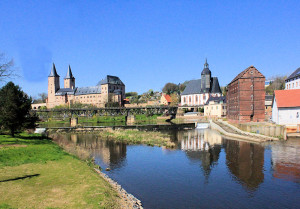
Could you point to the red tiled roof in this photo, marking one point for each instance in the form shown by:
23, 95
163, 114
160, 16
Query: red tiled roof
168, 98
287, 98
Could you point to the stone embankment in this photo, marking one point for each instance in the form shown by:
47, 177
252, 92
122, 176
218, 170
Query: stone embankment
231, 131
129, 201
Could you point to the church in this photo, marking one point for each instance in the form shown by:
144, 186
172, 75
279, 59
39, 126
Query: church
197, 92
109, 90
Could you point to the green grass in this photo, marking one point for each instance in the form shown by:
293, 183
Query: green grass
36, 173
150, 138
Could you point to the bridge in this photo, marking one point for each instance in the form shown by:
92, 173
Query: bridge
107, 111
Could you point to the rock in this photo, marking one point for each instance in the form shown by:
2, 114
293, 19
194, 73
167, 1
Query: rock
107, 169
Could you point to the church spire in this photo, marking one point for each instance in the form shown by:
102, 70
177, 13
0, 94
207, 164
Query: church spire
53, 72
206, 64
69, 73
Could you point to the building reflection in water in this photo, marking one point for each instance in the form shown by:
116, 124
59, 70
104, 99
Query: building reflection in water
111, 153
286, 160
203, 146
245, 161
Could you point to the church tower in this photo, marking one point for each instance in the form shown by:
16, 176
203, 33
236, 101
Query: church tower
205, 78
69, 81
53, 86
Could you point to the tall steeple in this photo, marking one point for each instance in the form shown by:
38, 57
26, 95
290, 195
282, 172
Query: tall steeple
69, 81
205, 78
69, 73
53, 72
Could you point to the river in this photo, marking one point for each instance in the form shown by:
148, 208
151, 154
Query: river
205, 170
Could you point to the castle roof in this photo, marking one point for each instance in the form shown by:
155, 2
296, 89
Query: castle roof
88, 90
109, 79
53, 72
69, 73
64, 91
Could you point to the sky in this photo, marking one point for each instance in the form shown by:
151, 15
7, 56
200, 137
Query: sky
148, 43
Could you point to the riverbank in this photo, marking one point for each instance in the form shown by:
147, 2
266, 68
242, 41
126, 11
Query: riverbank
37, 173
231, 131
127, 136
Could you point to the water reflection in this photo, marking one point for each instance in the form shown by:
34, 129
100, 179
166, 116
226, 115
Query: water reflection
245, 161
203, 146
111, 153
286, 160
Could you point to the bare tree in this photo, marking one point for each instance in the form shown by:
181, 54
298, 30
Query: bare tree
6, 68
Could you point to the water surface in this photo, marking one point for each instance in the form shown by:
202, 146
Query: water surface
204, 171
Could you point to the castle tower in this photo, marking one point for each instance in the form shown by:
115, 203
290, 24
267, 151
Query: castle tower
69, 81
53, 86
205, 78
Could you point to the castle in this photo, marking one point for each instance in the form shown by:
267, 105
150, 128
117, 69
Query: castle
109, 90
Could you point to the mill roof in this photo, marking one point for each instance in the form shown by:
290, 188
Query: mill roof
295, 74
109, 79
241, 74
287, 98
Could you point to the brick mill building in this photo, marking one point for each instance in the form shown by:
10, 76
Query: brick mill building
246, 96
197, 92
110, 89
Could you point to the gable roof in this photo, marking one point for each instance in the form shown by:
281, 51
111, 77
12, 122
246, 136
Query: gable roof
215, 87
287, 98
295, 74
192, 87
167, 97
109, 79
64, 91
216, 99
88, 90
241, 74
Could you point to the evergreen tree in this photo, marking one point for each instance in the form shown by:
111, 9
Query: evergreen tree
15, 108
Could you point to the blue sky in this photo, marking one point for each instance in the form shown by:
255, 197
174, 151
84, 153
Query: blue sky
148, 43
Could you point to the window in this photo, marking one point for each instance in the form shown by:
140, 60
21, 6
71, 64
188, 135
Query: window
184, 99
216, 107
293, 85
190, 99
196, 98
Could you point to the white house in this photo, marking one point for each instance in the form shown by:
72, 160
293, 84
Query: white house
293, 81
286, 107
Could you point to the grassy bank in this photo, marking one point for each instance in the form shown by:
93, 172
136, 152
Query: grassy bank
150, 138
36, 173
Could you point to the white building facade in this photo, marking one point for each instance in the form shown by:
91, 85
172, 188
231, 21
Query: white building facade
293, 81
286, 107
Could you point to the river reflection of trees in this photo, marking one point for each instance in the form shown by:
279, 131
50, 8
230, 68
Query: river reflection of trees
111, 153
244, 160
